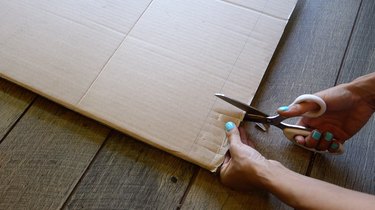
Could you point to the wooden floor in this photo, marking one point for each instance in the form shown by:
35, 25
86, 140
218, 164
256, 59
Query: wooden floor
52, 158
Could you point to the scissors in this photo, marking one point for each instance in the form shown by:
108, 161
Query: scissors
290, 131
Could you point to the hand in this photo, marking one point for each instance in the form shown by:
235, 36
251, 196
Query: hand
242, 166
347, 112
245, 167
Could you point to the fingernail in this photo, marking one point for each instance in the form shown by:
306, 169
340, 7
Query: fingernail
334, 146
283, 108
328, 136
229, 126
316, 135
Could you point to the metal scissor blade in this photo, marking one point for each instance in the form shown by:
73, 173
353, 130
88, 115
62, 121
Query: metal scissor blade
256, 118
248, 109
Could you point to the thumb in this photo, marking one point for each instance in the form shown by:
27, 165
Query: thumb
234, 138
297, 109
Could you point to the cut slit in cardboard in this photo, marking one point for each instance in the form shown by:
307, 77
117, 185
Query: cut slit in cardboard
147, 68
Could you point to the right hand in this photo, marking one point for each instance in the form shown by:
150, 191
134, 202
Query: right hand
347, 112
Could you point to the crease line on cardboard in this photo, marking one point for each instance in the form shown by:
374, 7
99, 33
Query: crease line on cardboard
186, 58
77, 22
221, 89
255, 10
214, 161
243, 48
110, 57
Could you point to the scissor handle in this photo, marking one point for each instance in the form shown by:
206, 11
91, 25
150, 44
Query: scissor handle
311, 98
290, 133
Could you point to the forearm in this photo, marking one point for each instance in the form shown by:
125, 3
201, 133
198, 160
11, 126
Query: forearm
303, 192
364, 86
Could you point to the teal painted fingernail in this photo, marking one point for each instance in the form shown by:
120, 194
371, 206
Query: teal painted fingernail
229, 126
316, 135
328, 136
334, 146
283, 108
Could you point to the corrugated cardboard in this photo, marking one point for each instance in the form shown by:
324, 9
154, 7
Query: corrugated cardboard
147, 68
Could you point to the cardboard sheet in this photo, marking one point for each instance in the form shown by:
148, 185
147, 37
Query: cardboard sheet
149, 68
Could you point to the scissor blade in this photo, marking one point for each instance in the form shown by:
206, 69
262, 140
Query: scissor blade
248, 109
256, 118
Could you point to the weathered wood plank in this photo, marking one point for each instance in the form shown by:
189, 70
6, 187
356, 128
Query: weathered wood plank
318, 30
13, 102
208, 193
128, 174
356, 168
44, 156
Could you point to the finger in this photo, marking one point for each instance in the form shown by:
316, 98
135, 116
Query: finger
297, 109
325, 142
312, 140
244, 137
303, 122
226, 158
300, 140
233, 136
336, 147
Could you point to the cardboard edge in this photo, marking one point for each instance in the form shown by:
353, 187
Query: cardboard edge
217, 164
104, 122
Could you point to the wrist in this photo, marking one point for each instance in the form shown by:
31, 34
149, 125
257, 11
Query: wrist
364, 87
269, 174
283, 183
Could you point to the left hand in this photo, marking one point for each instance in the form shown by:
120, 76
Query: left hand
243, 165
